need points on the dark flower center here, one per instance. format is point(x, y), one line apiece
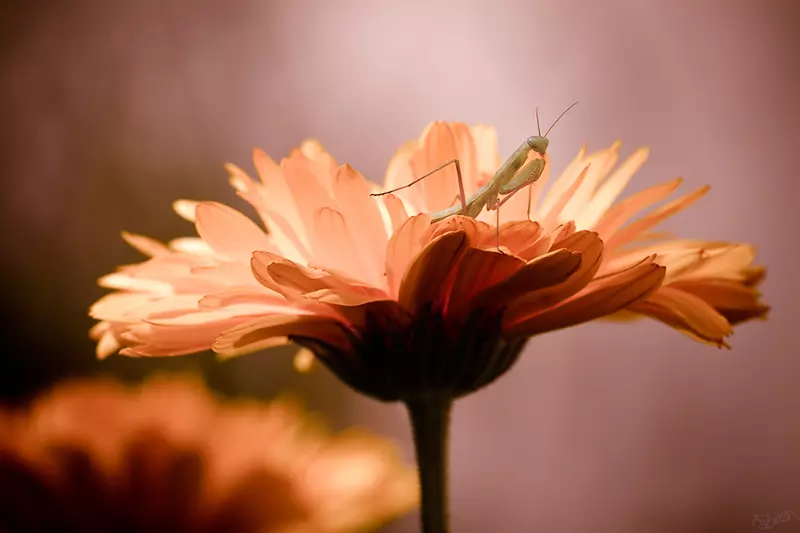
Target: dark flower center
point(399, 356)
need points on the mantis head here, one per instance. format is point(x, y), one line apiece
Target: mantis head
point(538, 144)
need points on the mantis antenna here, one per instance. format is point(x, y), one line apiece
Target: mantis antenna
point(538, 128)
point(556, 122)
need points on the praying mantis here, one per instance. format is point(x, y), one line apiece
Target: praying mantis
point(509, 179)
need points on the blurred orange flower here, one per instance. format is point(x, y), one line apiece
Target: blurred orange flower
point(167, 456)
point(397, 305)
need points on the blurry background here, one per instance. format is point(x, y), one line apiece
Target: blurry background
point(111, 110)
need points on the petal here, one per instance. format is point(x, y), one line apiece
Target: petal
point(350, 296)
point(336, 247)
point(600, 298)
point(398, 174)
point(619, 214)
point(396, 211)
point(554, 215)
point(438, 147)
point(351, 192)
point(722, 263)
point(185, 209)
point(601, 164)
point(514, 236)
point(187, 334)
point(428, 274)
point(192, 246)
point(477, 271)
point(230, 233)
point(609, 191)
point(121, 281)
point(268, 331)
point(243, 295)
point(633, 230)
point(733, 300)
point(293, 280)
point(476, 230)
point(545, 271)
point(488, 158)
point(147, 246)
point(403, 246)
point(309, 194)
point(590, 247)
point(562, 183)
point(684, 311)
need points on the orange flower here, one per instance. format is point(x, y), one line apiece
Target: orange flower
point(709, 286)
point(398, 306)
point(167, 456)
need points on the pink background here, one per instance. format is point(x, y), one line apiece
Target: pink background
point(113, 109)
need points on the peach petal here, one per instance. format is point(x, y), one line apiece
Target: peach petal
point(129, 283)
point(545, 271)
point(733, 300)
point(337, 248)
point(514, 236)
point(428, 273)
point(191, 245)
point(438, 146)
point(396, 211)
point(185, 209)
point(107, 345)
point(477, 270)
point(487, 154)
point(598, 299)
point(586, 243)
point(245, 295)
point(600, 164)
point(643, 224)
point(350, 296)
point(723, 263)
point(398, 173)
point(197, 333)
point(308, 194)
point(230, 233)
point(610, 190)
point(552, 216)
point(351, 192)
point(402, 247)
point(145, 245)
point(476, 230)
point(562, 183)
point(264, 332)
point(684, 311)
point(619, 214)
point(297, 279)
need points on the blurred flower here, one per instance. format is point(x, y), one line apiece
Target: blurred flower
point(167, 456)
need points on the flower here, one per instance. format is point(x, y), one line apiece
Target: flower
point(398, 306)
point(167, 456)
point(708, 287)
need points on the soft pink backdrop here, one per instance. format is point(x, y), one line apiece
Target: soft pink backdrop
point(113, 109)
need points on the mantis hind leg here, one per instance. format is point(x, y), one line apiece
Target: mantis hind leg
point(461, 194)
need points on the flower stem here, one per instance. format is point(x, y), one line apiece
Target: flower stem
point(430, 421)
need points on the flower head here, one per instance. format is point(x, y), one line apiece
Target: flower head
point(400, 306)
point(167, 456)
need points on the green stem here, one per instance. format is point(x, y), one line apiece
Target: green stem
point(430, 421)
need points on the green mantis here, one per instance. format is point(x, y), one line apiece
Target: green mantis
point(509, 179)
